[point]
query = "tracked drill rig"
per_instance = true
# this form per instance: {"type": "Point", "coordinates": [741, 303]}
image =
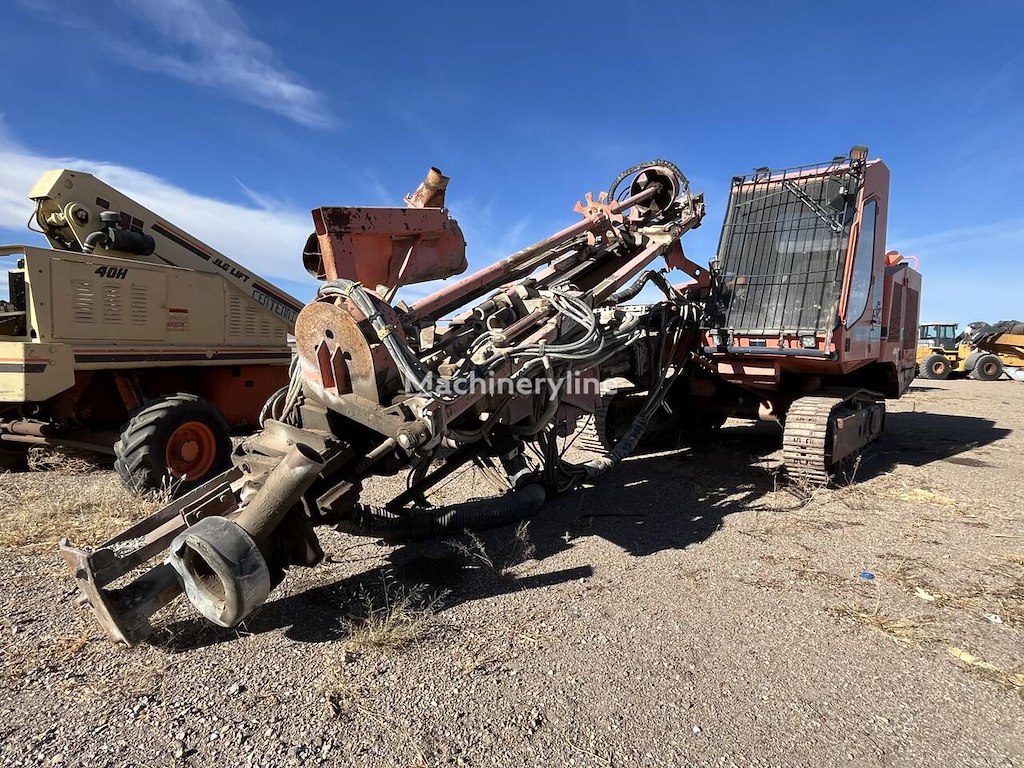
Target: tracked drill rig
{"type": "Point", "coordinates": [809, 321]}
{"type": "Point", "coordinates": [803, 319]}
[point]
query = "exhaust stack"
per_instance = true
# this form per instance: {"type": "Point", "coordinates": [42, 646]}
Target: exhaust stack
{"type": "Point", "coordinates": [430, 192]}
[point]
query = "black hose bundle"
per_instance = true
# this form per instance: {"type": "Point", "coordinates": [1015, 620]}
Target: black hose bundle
{"type": "Point", "coordinates": [475, 515]}
{"type": "Point", "coordinates": [631, 291]}
{"type": "Point", "coordinates": [622, 450]}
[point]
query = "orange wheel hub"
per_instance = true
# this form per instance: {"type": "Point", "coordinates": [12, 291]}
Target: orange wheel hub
{"type": "Point", "coordinates": [191, 450]}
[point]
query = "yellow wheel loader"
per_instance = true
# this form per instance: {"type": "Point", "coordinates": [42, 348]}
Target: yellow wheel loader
{"type": "Point", "coordinates": [131, 337]}
{"type": "Point", "coordinates": [982, 351]}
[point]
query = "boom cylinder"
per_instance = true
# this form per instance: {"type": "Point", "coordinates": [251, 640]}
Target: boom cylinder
{"type": "Point", "coordinates": [281, 491]}
{"type": "Point", "coordinates": [478, 283]}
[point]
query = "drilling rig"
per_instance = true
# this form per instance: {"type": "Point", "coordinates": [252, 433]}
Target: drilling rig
{"type": "Point", "coordinates": [502, 367]}
{"type": "Point", "coordinates": [812, 322]}
{"type": "Point", "coordinates": [378, 389]}
{"type": "Point", "coordinates": [808, 321]}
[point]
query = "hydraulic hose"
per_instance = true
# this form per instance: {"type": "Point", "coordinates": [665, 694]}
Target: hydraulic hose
{"type": "Point", "coordinates": [587, 348]}
{"type": "Point", "coordinates": [476, 515]}
{"type": "Point", "coordinates": [631, 291]}
{"type": "Point", "coordinates": [622, 450]}
{"type": "Point", "coordinates": [99, 237]}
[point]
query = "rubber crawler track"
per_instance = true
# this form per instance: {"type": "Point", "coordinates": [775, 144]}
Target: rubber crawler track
{"type": "Point", "coordinates": [594, 436]}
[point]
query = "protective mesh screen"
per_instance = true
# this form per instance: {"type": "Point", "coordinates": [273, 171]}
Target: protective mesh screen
{"type": "Point", "coordinates": [780, 259]}
{"type": "Point", "coordinates": [910, 318]}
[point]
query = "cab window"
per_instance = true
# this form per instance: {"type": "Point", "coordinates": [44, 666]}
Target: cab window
{"type": "Point", "coordinates": [863, 263]}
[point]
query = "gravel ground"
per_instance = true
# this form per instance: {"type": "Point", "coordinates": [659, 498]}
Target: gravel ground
{"type": "Point", "coordinates": [687, 610]}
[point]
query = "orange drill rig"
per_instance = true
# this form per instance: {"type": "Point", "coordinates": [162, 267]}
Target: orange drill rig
{"type": "Point", "coordinates": [804, 318]}
{"type": "Point", "coordinates": [810, 321]}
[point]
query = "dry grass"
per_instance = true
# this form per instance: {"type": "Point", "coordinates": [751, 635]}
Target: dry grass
{"type": "Point", "coordinates": [1011, 678]}
{"type": "Point", "coordinates": [804, 570]}
{"type": "Point", "coordinates": [879, 492]}
{"type": "Point", "coordinates": [487, 646]}
{"type": "Point", "coordinates": [798, 488]}
{"type": "Point", "coordinates": [35, 514]}
{"type": "Point", "coordinates": [66, 461]}
{"type": "Point", "coordinates": [348, 695]}
{"type": "Point", "coordinates": [593, 757]}
{"type": "Point", "coordinates": [866, 493]}
{"type": "Point", "coordinates": [924, 496]}
{"type": "Point", "coordinates": [502, 557]}
{"type": "Point", "coordinates": [901, 630]}
{"type": "Point", "coordinates": [476, 652]}
{"type": "Point", "coordinates": [26, 654]}
{"type": "Point", "coordinates": [1002, 594]}
{"type": "Point", "coordinates": [810, 508]}
{"type": "Point", "coordinates": [390, 618]}
{"type": "Point", "coordinates": [826, 522]}
{"type": "Point", "coordinates": [808, 518]}
{"type": "Point", "coordinates": [805, 490]}
{"type": "Point", "coordinates": [385, 620]}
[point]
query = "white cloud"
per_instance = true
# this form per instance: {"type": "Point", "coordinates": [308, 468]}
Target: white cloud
{"type": "Point", "coordinates": [267, 239]}
{"type": "Point", "coordinates": [266, 236]}
{"type": "Point", "coordinates": [1008, 233]}
{"type": "Point", "coordinates": [968, 272]}
{"type": "Point", "coordinates": [204, 42]}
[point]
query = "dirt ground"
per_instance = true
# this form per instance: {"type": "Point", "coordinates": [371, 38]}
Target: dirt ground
{"type": "Point", "coordinates": [687, 610]}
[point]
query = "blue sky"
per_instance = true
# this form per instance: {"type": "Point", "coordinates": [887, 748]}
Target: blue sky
{"type": "Point", "coordinates": [233, 119]}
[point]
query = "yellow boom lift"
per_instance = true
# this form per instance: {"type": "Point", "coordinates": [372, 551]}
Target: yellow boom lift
{"type": "Point", "coordinates": [134, 338]}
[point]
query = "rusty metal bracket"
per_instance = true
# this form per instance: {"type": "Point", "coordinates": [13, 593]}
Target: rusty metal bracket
{"type": "Point", "coordinates": [123, 612]}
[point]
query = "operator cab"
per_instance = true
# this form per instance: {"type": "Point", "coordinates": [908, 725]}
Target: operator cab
{"type": "Point", "coordinates": [944, 335]}
{"type": "Point", "coordinates": [13, 296]}
{"type": "Point", "coordinates": [796, 260]}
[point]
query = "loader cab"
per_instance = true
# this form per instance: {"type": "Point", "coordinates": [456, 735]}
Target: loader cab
{"type": "Point", "coordinates": [942, 335]}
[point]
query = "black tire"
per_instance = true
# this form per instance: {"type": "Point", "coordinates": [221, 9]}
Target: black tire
{"type": "Point", "coordinates": [935, 367]}
{"type": "Point", "coordinates": [987, 368]}
{"type": "Point", "coordinates": [972, 361]}
{"type": "Point", "coordinates": [141, 455]}
{"type": "Point", "coordinates": [13, 456]}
